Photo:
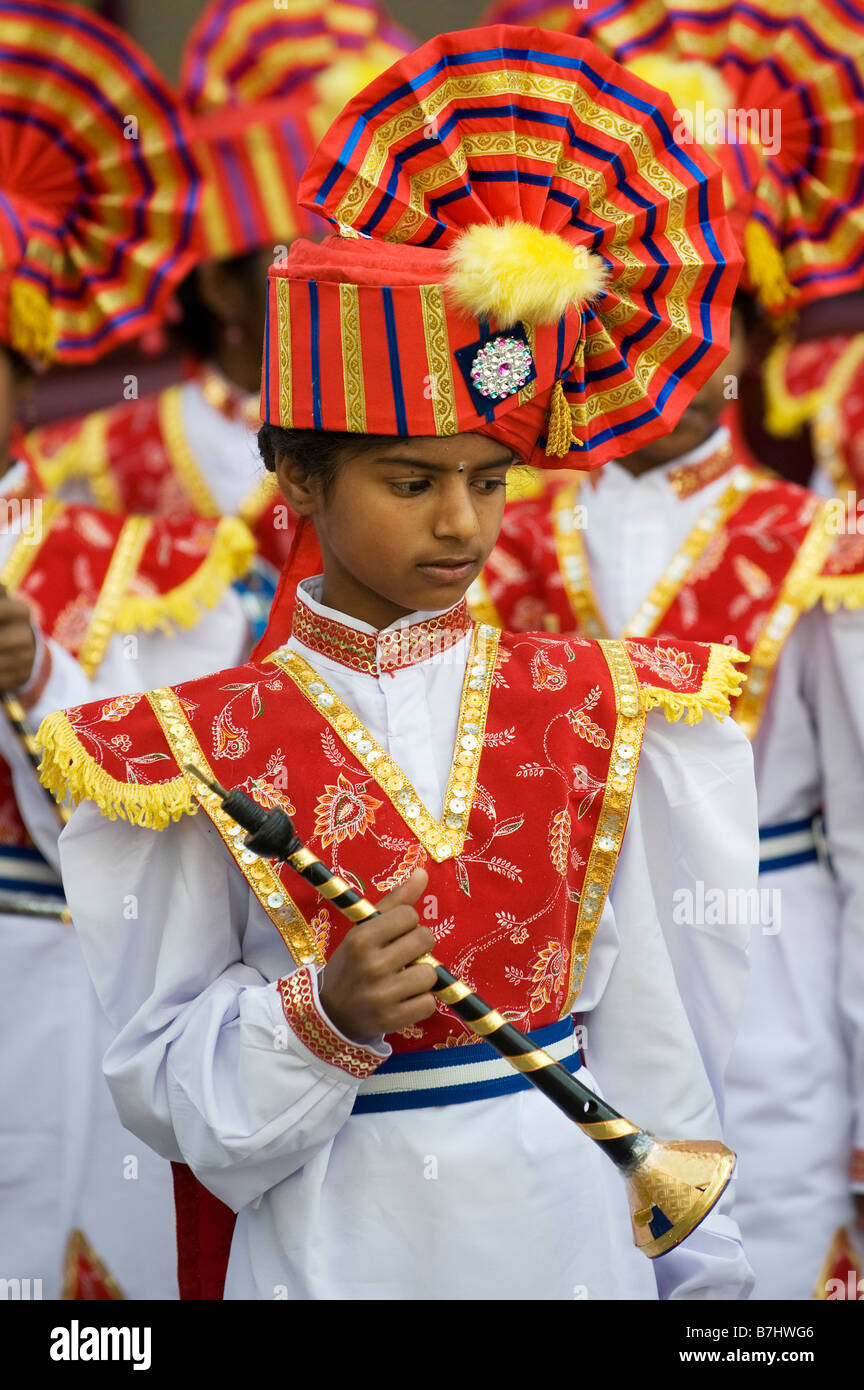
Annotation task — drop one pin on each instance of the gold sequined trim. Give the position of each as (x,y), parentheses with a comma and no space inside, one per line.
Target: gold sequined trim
(314,1031)
(690,478)
(796,594)
(352,359)
(46,510)
(180,454)
(78,1247)
(441,840)
(480,603)
(391,650)
(258,873)
(573,563)
(124,562)
(438,359)
(612,822)
(573,559)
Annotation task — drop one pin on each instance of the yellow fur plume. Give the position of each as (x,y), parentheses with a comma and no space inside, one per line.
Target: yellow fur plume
(686,83)
(512,272)
(32,323)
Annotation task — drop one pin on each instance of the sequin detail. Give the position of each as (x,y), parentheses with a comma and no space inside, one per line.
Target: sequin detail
(501,368)
(376,653)
(314,1031)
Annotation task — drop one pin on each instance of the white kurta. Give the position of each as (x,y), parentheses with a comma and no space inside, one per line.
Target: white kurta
(386,1205)
(66,1161)
(796,1080)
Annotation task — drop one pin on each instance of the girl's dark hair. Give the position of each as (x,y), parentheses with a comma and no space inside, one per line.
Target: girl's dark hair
(197,327)
(317,450)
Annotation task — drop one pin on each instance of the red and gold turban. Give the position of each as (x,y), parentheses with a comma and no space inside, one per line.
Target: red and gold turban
(97,187)
(261,83)
(792,84)
(522,249)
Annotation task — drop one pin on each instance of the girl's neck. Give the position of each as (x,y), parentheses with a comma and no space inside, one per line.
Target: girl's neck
(346,596)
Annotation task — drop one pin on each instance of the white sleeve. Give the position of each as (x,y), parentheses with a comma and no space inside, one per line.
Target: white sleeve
(203,1067)
(640,1043)
(701,834)
(134,662)
(834,690)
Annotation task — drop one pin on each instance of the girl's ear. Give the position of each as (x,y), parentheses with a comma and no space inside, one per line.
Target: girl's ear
(298,488)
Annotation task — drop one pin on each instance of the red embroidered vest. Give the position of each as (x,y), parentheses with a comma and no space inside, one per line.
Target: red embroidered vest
(137,458)
(85,573)
(762,553)
(521,860)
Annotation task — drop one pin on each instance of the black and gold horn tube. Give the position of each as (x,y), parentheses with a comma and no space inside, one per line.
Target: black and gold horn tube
(671,1184)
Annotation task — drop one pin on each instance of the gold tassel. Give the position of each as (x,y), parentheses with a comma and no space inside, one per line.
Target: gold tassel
(559,424)
(32,321)
(720,685)
(766,269)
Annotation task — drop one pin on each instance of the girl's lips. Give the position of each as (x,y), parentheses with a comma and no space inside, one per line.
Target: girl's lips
(448,573)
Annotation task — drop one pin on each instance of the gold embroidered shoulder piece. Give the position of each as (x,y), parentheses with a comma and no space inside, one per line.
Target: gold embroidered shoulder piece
(674,677)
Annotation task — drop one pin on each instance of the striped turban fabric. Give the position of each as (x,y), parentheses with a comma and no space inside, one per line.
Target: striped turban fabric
(98,188)
(511,206)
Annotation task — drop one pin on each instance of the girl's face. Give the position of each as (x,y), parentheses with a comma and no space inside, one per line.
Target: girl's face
(404,527)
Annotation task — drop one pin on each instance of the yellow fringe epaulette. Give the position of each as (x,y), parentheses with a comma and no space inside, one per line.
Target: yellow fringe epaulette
(229,558)
(720,685)
(835,591)
(83,455)
(68,770)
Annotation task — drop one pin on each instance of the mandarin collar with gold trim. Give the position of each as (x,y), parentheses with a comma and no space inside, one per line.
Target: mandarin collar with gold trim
(685,475)
(416,638)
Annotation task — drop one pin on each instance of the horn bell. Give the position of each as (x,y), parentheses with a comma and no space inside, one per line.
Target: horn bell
(673,1187)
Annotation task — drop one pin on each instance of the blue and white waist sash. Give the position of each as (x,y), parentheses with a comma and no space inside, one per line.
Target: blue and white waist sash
(256,591)
(24,870)
(453,1075)
(792,843)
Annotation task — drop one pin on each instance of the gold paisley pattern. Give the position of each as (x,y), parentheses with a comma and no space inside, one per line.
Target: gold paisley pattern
(352,359)
(438,359)
(283,309)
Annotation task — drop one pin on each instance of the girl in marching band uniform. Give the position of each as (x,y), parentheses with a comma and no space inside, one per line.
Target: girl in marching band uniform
(501,202)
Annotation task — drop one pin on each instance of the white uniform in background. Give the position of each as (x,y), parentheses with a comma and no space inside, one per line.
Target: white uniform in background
(795,1098)
(66,1162)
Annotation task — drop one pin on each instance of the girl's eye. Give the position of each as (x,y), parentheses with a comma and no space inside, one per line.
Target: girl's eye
(490,484)
(412,488)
